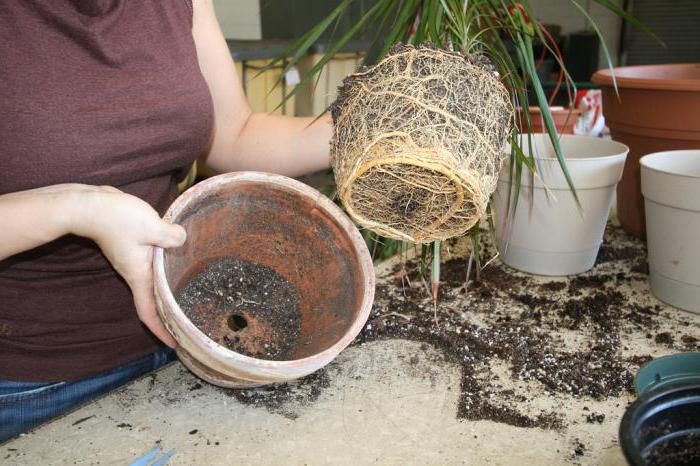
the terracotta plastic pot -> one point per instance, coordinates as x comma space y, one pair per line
564, 120
671, 188
657, 110
279, 223
548, 234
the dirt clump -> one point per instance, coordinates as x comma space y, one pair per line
282, 398
595, 418
664, 338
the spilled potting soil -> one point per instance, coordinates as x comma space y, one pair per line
246, 307
559, 338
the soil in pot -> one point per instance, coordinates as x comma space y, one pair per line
246, 307
677, 451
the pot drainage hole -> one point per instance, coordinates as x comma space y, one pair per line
237, 322
246, 307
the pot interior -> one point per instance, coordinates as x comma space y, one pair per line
677, 76
664, 428
681, 162
274, 226
689, 71
572, 146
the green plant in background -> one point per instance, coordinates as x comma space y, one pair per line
503, 30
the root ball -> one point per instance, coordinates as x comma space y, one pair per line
418, 142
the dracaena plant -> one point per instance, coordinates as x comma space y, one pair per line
493, 28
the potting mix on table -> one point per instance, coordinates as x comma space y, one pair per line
416, 156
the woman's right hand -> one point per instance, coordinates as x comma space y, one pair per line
126, 229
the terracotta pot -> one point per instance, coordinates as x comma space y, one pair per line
657, 110
563, 120
283, 224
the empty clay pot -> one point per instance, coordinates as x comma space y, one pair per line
564, 120
657, 110
282, 224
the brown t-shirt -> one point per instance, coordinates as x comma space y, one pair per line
101, 92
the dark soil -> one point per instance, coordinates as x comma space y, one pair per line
509, 319
528, 341
246, 307
595, 418
639, 360
664, 338
553, 286
612, 253
679, 451
276, 397
586, 282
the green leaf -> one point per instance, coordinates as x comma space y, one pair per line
525, 47
302, 46
489, 216
630, 19
330, 53
606, 52
400, 27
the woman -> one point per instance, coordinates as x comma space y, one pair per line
105, 105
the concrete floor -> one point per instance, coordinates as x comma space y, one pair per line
388, 402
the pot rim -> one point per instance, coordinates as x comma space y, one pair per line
222, 353
631, 415
604, 77
554, 109
672, 369
623, 149
646, 160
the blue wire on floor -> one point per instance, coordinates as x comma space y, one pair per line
145, 459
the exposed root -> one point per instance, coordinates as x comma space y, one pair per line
418, 142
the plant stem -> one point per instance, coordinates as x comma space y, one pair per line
435, 277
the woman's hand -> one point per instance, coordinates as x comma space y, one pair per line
126, 229
124, 226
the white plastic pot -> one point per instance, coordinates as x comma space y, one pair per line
671, 189
548, 234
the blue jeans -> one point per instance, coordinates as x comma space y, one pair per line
25, 405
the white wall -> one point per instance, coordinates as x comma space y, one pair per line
565, 14
239, 19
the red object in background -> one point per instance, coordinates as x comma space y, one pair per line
521, 10
564, 120
590, 103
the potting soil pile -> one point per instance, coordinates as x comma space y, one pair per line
418, 142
